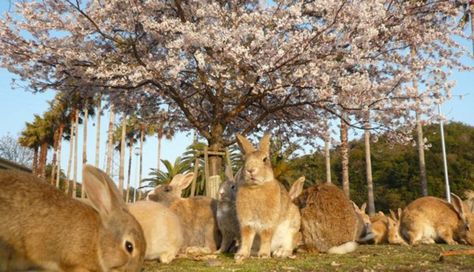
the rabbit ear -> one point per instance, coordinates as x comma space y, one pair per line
228, 173
101, 191
399, 213
265, 144
393, 216
363, 206
297, 188
245, 144
381, 213
181, 182
356, 208
458, 206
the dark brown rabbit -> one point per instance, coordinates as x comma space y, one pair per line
328, 221
43, 229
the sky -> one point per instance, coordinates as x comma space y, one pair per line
18, 106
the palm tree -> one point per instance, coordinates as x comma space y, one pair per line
29, 138
368, 161
171, 169
110, 141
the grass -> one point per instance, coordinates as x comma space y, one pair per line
366, 258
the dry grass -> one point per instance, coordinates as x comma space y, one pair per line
365, 258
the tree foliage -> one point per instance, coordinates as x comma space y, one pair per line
11, 150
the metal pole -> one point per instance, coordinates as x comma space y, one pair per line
446, 178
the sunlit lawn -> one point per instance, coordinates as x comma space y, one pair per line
365, 258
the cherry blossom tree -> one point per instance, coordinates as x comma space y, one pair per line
221, 67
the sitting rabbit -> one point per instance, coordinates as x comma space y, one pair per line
162, 230
197, 214
264, 207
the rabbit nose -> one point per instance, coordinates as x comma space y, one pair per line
251, 170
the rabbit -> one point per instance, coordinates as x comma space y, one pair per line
43, 229
379, 228
328, 221
161, 227
197, 214
394, 236
430, 219
364, 226
226, 212
469, 202
264, 207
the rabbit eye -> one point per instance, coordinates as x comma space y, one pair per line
468, 227
129, 247
265, 159
232, 186
167, 189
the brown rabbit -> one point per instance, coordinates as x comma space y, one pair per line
328, 221
430, 219
197, 214
263, 205
469, 202
161, 227
43, 229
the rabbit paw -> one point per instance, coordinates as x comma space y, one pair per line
239, 256
166, 257
281, 253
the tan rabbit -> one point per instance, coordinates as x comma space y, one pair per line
379, 228
264, 207
364, 226
430, 219
394, 235
226, 212
197, 214
469, 202
328, 221
43, 229
162, 230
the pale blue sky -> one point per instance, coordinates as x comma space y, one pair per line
18, 107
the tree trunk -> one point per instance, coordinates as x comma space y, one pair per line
35, 161
471, 13
71, 149
97, 133
122, 154
60, 140
110, 142
76, 155
55, 153
420, 139
214, 168
158, 153
42, 159
345, 158
142, 139
368, 161
84, 145
327, 157
130, 152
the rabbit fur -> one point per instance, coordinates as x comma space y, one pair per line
162, 230
430, 219
328, 221
364, 226
226, 212
197, 214
43, 229
264, 207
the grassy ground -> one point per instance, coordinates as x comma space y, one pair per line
366, 258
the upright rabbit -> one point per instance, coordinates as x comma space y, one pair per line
263, 205
197, 214
162, 230
43, 229
364, 226
226, 212
328, 221
430, 219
